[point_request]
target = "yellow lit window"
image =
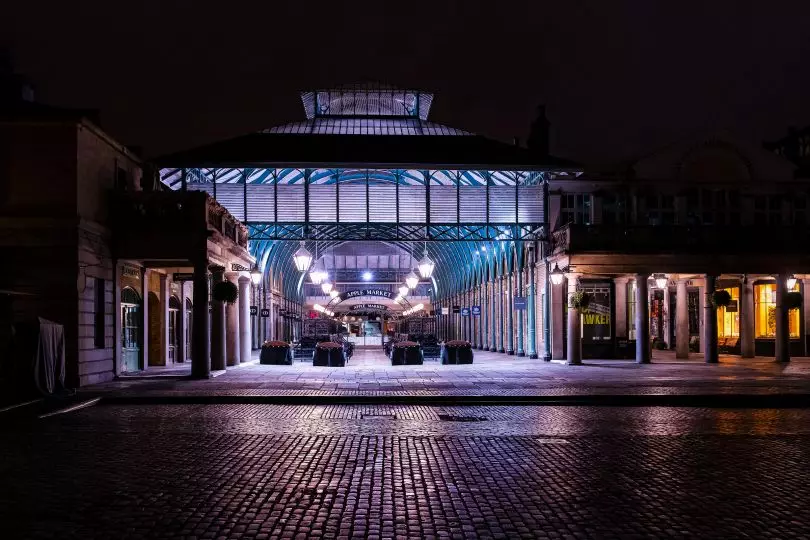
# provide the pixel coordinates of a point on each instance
(728, 317)
(765, 312)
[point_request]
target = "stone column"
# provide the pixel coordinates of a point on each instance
(244, 319)
(481, 317)
(620, 301)
(510, 315)
(493, 317)
(782, 320)
(806, 313)
(681, 320)
(702, 317)
(232, 347)
(532, 337)
(501, 315)
(642, 320)
(710, 321)
(145, 318)
(547, 286)
(117, 330)
(200, 344)
(747, 343)
(180, 353)
(164, 320)
(217, 321)
(519, 336)
(484, 317)
(666, 318)
(574, 337)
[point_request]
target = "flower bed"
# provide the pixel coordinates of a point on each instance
(275, 344)
(458, 343)
(403, 344)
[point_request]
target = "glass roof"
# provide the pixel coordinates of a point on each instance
(367, 100)
(365, 126)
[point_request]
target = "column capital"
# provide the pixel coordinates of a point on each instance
(621, 280)
(243, 278)
(216, 269)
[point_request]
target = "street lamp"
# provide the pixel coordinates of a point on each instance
(255, 275)
(334, 293)
(318, 273)
(557, 275)
(302, 258)
(326, 286)
(791, 282)
(660, 280)
(403, 291)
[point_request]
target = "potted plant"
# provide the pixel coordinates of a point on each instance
(721, 298)
(225, 291)
(406, 353)
(328, 353)
(276, 353)
(457, 352)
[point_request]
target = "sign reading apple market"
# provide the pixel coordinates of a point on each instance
(359, 307)
(364, 292)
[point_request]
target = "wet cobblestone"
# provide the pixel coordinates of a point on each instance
(274, 471)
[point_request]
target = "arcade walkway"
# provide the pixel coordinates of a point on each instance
(369, 373)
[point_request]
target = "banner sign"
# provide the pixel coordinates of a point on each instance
(364, 292)
(265, 312)
(520, 303)
(183, 276)
(359, 307)
(596, 320)
(254, 310)
(445, 311)
(476, 311)
(456, 309)
(732, 307)
(465, 312)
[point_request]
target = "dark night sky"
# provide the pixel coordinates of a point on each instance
(618, 77)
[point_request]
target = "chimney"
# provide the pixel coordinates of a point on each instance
(538, 141)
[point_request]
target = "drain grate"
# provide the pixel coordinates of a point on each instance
(377, 416)
(457, 418)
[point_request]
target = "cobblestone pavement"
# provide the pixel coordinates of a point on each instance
(369, 373)
(391, 471)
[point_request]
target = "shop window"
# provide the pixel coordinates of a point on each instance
(660, 209)
(728, 317)
(99, 314)
(615, 209)
(765, 312)
(575, 208)
(768, 210)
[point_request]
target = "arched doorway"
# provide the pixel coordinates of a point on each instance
(174, 329)
(130, 330)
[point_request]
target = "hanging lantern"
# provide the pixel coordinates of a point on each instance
(556, 275)
(426, 265)
(255, 275)
(403, 291)
(318, 273)
(334, 293)
(660, 281)
(302, 258)
(412, 280)
(326, 286)
(791, 282)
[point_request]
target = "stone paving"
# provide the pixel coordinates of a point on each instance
(370, 374)
(383, 471)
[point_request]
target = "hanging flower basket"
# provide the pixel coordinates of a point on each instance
(721, 298)
(793, 300)
(579, 300)
(225, 291)
(276, 353)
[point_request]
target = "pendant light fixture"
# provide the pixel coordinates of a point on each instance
(426, 265)
(302, 258)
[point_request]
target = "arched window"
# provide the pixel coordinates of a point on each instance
(129, 296)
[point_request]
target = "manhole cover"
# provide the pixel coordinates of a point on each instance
(376, 416)
(552, 441)
(456, 418)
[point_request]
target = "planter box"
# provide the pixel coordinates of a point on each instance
(457, 355)
(410, 356)
(277, 356)
(329, 357)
